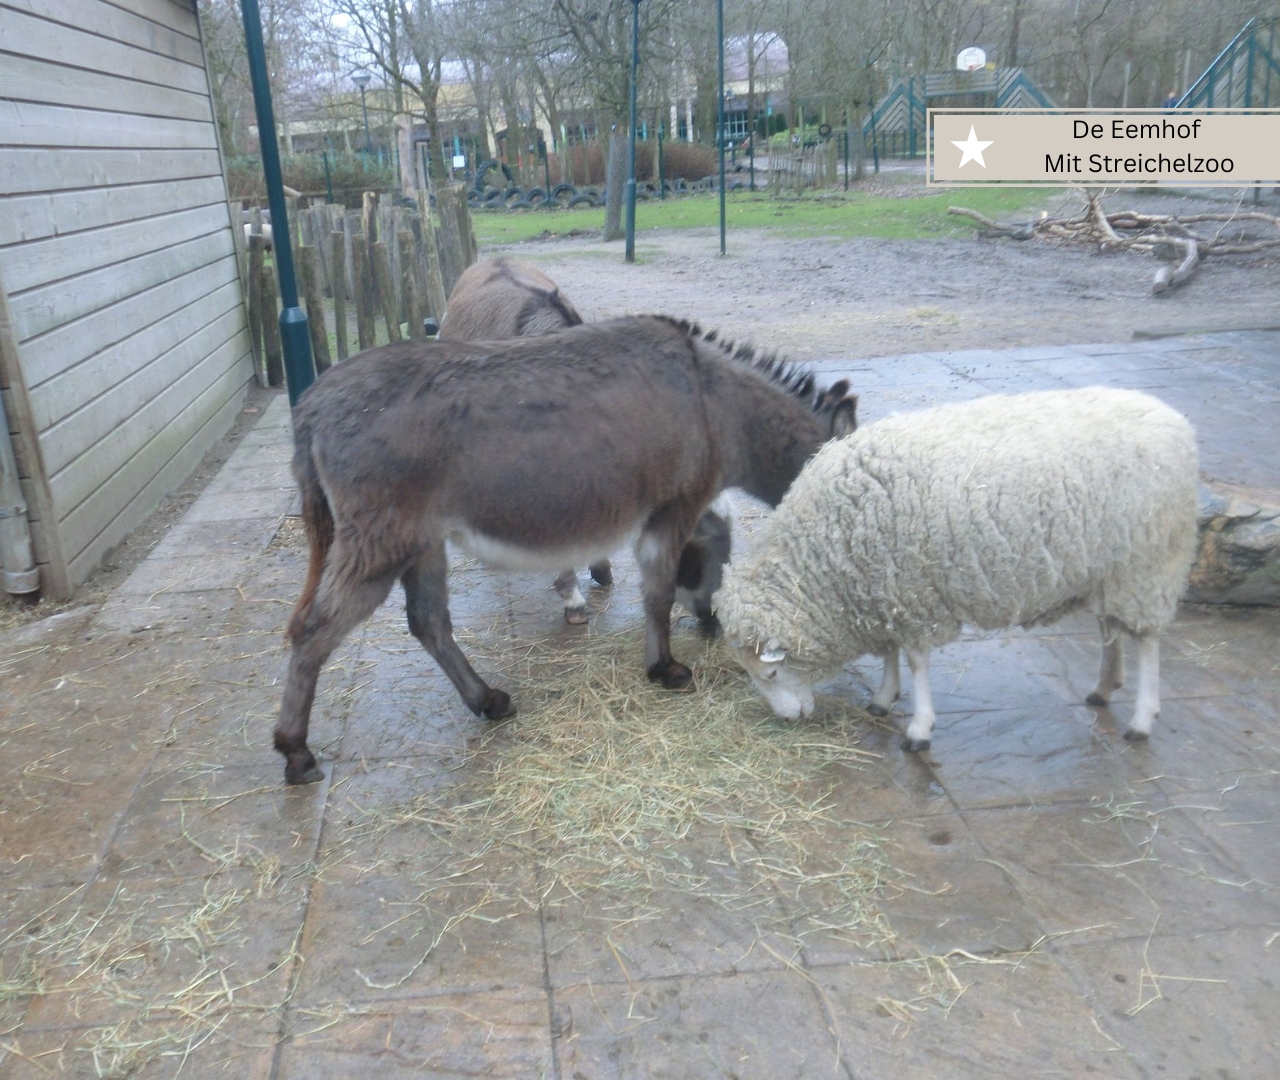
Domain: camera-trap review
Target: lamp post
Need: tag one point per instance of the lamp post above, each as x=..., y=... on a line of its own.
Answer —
x=295, y=336
x=631, y=141
x=720, y=106
x=362, y=80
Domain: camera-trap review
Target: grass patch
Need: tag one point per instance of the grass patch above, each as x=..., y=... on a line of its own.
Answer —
x=837, y=215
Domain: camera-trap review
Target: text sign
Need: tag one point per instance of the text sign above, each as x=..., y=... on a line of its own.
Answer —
x=1214, y=148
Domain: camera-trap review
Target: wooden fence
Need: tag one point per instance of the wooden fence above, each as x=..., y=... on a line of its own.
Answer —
x=378, y=272
x=801, y=167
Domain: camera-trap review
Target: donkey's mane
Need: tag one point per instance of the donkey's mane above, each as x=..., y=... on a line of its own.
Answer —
x=789, y=375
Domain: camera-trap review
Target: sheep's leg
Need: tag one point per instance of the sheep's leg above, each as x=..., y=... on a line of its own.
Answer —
x=426, y=591
x=920, y=729
x=890, y=686
x=601, y=572
x=1147, y=707
x=575, y=604
x=339, y=606
x=1111, y=674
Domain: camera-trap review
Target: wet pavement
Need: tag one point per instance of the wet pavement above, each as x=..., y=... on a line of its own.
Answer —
x=1054, y=901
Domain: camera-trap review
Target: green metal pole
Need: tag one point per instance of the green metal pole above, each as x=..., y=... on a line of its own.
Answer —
x=295, y=337
x=631, y=136
x=662, y=172
x=328, y=180
x=720, y=110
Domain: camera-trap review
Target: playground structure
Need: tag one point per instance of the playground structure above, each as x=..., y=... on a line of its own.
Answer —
x=896, y=126
x=1245, y=75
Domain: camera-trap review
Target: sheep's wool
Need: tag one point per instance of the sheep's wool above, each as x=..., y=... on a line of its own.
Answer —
x=1005, y=511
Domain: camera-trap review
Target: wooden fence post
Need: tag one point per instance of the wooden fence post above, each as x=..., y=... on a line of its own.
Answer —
x=410, y=290
x=338, y=242
x=363, y=297
x=271, y=329
x=309, y=264
x=449, y=240
x=432, y=282
x=387, y=290
x=256, y=246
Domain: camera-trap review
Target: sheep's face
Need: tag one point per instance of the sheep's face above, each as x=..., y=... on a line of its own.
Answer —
x=785, y=689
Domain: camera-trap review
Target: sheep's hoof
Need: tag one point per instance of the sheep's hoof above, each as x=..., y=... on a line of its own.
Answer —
x=601, y=573
x=499, y=706
x=877, y=710
x=1096, y=699
x=914, y=746
x=672, y=674
x=1134, y=735
x=575, y=616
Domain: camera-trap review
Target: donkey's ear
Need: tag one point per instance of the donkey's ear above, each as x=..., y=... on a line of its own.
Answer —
x=844, y=421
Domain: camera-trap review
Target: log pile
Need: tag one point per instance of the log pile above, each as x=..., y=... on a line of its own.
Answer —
x=1179, y=241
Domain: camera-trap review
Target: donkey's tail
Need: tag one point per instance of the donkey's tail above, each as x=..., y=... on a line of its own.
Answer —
x=318, y=519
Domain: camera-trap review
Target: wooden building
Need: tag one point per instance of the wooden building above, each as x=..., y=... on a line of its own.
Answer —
x=124, y=348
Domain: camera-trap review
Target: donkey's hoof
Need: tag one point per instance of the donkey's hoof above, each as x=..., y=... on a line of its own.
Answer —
x=914, y=746
x=601, y=573
x=499, y=706
x=1134, y=735
x=1096, y=699
x=302, y=769
x=575, y=616
x=672, y=674
x=876, y=710
x=709, y=626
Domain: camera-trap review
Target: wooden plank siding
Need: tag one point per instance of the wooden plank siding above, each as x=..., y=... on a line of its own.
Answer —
x=130, y=351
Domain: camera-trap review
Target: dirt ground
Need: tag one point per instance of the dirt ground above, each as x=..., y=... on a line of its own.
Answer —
x=817, y=298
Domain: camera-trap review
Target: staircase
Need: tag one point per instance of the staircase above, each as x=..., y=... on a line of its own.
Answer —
x=1245, y=75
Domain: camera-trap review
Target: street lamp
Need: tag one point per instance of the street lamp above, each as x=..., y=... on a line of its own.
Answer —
x=362, y=80
x=631, y=142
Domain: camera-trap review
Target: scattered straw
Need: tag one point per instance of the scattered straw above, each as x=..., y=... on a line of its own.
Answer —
x=602, y=776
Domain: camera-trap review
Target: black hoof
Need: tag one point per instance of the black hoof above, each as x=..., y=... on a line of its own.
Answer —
x=709, y=626
x=1136, y=736
x=672, y=674
x=499, y=706
x=302, y=769
x=1096, y=699
x=877, y=710
x=914, y=746
x=601, y=573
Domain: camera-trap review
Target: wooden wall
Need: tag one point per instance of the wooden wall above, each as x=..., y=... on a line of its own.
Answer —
x=117, y=257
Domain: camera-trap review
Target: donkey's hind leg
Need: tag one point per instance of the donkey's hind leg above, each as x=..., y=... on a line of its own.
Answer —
x=426, y=591
x=575, y=604
x=340, y=605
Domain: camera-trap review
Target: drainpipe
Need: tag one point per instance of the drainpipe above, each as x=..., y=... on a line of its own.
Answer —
x=20, y=573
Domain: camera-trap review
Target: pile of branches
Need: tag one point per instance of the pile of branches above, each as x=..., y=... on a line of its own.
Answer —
x=1174, y=239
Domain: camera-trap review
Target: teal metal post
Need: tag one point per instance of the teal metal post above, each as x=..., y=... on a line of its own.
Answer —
x=662, y=172
x=295, y=338
x=720, y=110
x=328, y=180
x=631, y=134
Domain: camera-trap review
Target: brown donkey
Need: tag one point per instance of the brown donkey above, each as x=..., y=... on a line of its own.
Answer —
x=506, y=298
x=532, y=453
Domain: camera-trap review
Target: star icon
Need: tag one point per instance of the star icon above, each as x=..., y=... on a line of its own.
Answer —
x=972, y=147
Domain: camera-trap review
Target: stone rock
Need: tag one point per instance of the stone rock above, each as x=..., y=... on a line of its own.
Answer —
x=1239, y=557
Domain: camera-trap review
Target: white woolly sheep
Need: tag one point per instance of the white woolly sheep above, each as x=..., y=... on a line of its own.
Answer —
x=1011, y=510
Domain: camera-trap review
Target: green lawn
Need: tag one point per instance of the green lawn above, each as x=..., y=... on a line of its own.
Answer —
x=828, y=214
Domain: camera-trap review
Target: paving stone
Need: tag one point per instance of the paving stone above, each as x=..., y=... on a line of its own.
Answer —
x=673, y=1028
